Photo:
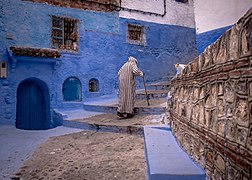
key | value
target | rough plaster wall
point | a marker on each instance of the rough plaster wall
(214, 14)
(211, 105)
(181, 14)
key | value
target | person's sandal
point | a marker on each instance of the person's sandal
(130, 115)
(120, 115)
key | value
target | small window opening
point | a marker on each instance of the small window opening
(93, 85)
(182, 1)
(135, 34)
(64, 33)
(3, 70)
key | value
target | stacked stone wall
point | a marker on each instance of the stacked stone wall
(211, 105)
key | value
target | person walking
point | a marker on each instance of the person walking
(127, 88)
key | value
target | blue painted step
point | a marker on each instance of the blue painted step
(165, 158)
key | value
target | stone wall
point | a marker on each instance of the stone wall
(211, 105)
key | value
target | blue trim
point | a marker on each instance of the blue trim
(205, 39)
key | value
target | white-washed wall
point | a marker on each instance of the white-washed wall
(170, 11)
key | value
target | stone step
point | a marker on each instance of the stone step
(151, 94)
(159, 85)
(165, 159)
(134, 130)
(113, 109)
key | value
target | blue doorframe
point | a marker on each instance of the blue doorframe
(33, 107)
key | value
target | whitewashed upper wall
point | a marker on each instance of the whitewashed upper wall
(177, 13)
(214, 14)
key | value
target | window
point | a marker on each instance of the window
(182, 1)
(72, 89)
(93, 85)
(3, 70)
(136, 34)
(64, 33)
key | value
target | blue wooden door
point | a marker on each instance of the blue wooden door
(31, 106)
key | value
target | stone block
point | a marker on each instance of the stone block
(241, 111)
(231, 130)
(220, 127)
(207, 57)
(220, 89)
(220, 107)
(161, 151)
(233, 172)
(233, 43)
(202, 121)
(201, 61)
(246, 37)
(220, 163)
(241, 135)
(219, 50)
(235, 74)
(209, 156)
(229, 91)
(218, 175)
(249, 141)
(195, 94)
(210, 118)
(202, 92)
(228, 67)
(229, 109)
(194, 66)
(241, 86)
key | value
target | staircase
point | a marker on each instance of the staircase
(154, 90)
(156, 94)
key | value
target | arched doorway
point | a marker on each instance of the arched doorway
(33, 108)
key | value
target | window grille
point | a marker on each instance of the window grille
(93, 85)
(72, 89)
(135, 34)
(64, 33)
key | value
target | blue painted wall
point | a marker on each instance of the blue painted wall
(205, 39)
(103, 49)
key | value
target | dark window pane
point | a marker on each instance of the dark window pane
(57, 33)
(182, 1)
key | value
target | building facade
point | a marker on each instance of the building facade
(57, 54)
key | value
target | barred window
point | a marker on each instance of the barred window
(93, 85)
(64, 33)
(135, 34)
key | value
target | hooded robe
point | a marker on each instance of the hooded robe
(127, 86)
